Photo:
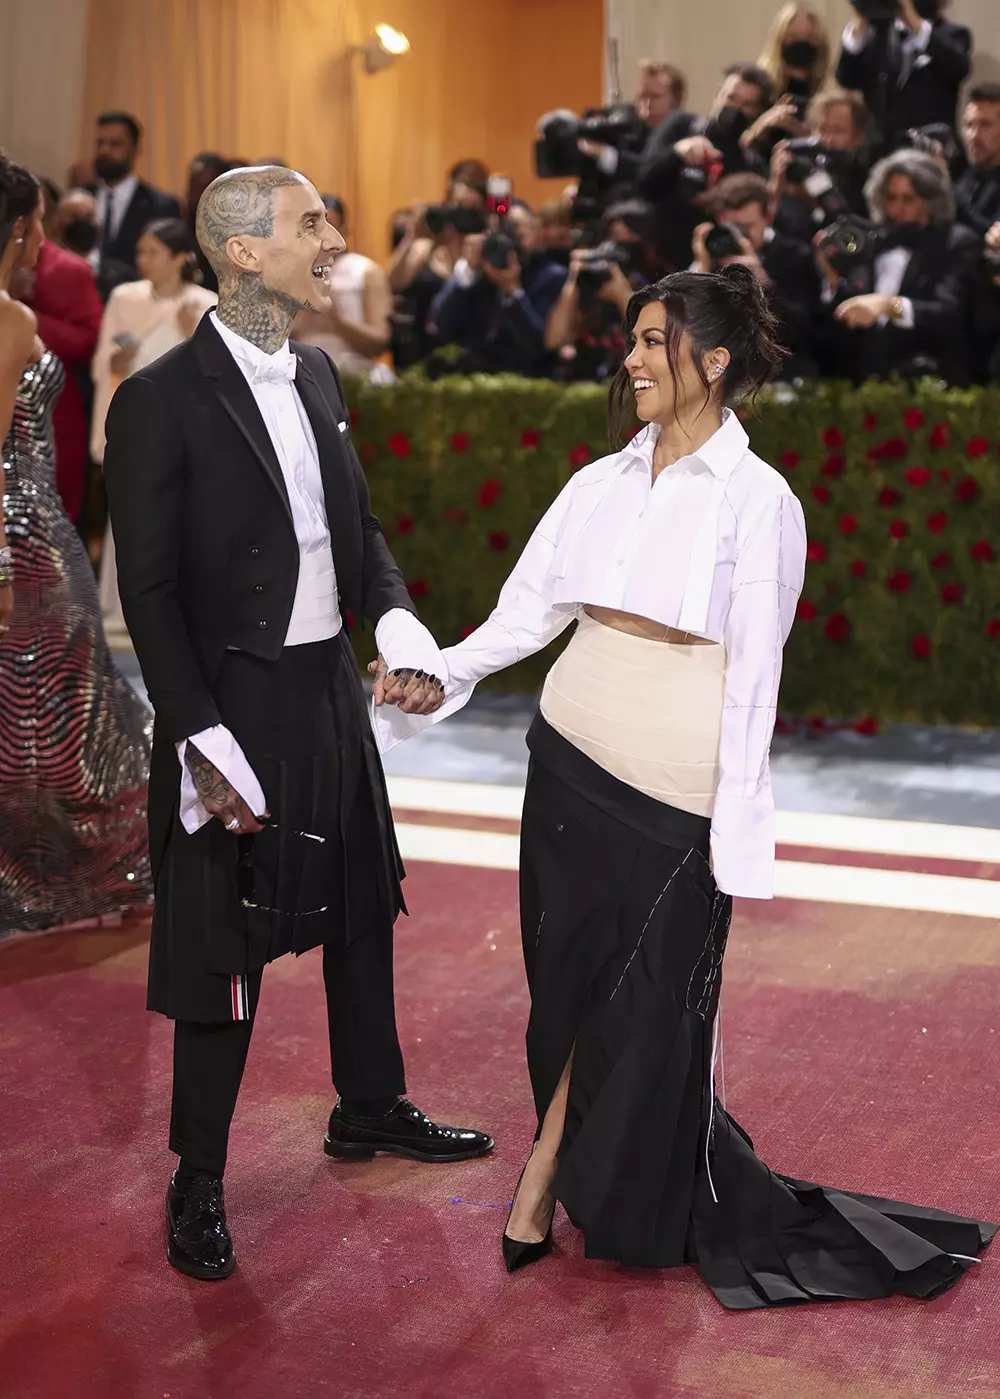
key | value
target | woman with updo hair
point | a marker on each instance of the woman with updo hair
(143, 320)
(648, 806)
(74, 737)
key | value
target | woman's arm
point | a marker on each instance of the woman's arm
(369, 337)
(100, 371)
(767, 581)
(563, 324)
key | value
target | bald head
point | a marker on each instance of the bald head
(240, 204)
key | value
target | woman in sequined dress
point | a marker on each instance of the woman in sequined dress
(74, 738)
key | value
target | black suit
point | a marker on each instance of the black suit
(914, 90)
(208, 565)
(145, 205)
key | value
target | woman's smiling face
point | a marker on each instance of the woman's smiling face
(659, 397)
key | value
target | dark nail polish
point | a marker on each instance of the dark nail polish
(397, 672)
(420, 674)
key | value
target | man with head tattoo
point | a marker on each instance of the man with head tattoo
(245, 538)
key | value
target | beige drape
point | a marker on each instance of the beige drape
(259, 78)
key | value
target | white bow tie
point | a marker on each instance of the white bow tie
(278, 368)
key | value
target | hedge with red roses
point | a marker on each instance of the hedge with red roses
(900, 615)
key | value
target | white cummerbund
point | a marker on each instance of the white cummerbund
(316, 609)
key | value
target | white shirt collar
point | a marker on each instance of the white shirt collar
(256, 363)
(120, 195)
(722, 452)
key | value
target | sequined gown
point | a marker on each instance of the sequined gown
(74, 737)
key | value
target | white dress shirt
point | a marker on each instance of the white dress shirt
(401, 638)
(889, 271)
(715, 546)
(856, 40)
(112, 202)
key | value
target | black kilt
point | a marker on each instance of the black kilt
(302, 724)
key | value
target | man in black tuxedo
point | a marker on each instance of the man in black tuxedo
(245, 539)
(125, 204)
(909, 70)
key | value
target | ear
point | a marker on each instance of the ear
(242, 256)
(715, 363)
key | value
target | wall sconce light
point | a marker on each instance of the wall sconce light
(382, 47)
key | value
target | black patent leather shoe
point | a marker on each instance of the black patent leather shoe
(403, 1131)
(198, 1241)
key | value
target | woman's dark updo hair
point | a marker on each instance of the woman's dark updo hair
(728, 308)
(19, 194)
(176, 235)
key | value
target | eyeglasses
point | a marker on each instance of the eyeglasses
(284, 867)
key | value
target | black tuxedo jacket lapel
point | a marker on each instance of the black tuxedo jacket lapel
(926, 263)
(334, 466)
(236, 397)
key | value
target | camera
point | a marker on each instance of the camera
(557, 154)
(723, 240)
(497, 248)
(849, 244)
(438, 217)
(596, 270)
(877, 11)
(935, 139)
(823, 173)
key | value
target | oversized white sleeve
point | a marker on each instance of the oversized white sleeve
(767, 582)
(522, 622)
(405, 644)
(221, 749)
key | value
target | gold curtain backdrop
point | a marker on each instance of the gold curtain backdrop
(257, 78)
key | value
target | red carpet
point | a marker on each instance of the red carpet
(860, 1051)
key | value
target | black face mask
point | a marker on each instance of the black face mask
(926, 9)
(80, 236)
(729, 125)
(112, 170)
(800, 53)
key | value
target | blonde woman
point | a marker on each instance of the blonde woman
(796, 57)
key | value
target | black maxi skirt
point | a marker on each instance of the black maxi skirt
(624, 933)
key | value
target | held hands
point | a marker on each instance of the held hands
(219, 798)
(412, 691)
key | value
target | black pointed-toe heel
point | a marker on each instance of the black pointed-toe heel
(516, 1253)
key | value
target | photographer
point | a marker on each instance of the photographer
(902, 298)
(908, 62)
(498, 299)
(687, 154)
(585, 325)
(820, 176)
(977, 193)
(796, 57)
(743, 233)
(660, 91)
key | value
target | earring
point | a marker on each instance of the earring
(719, 369)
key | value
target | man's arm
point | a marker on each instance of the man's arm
(949, 49)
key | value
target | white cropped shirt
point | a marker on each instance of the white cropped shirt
(716, 547)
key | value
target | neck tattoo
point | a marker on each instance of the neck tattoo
(263, 317)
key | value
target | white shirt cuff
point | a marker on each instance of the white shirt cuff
(742, 846)
(607, 161)
(922, 38)
(462, 273)
(853, 41)
(905, 321)
(406, 644)
(221, 749)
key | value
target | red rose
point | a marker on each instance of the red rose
(489, 494)
(579, 455)
(815, 551)
(888, 497)
(937, 521)
(838, 627)
(952, 593)
(498, 541)
(993, 627)
(833, 466)
(467, 631)
(460, 441)
(977, 447)
(404, 523)
(354, 418)
(868, 725)
(351, 621)
(848, 524)
(982, 551)
(921, 647)
(530, 437)
(789, 460)
(892, 449)
(967, 490)
(941, 561)
(898, 582)
(913, 418)
(898, 529)
(456, 516)
(833, 437)
(806, 610)
(399, 444)
(919, 475)
(944, 475)
(821, 493)
(418, 588)
(368, 450)
(859, 568)
(871, 422)
(939, 436)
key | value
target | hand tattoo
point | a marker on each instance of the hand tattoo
(212, 787)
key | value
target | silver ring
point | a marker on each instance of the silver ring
(234, 824)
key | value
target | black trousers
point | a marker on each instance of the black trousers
(365, 1057)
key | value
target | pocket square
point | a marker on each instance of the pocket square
(342, 426)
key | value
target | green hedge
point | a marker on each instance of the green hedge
(900, 617)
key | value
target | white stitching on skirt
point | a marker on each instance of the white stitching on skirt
(649, 920)
(538, 935)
